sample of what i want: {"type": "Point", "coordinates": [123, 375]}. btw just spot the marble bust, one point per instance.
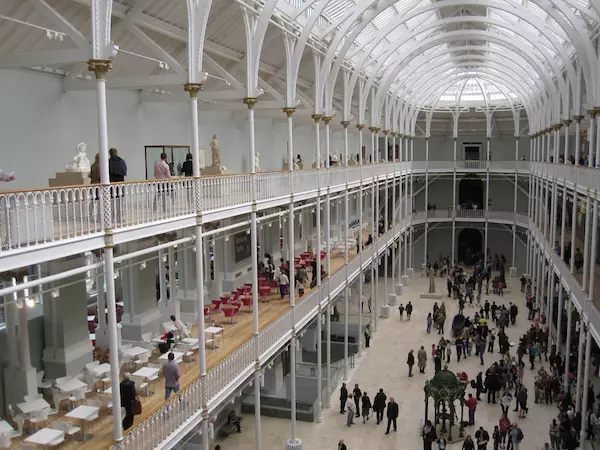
{"type": "Point", "coordinates": [80, 162]}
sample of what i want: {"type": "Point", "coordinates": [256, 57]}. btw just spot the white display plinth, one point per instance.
{"type": "Point", "coordinates": [399, 289]}
{"type": "Point", "coordinates": [385, 311]}
{"type": "Point", "coordinates": [293, 444]}
{"type": "Point", "coordinates": [405, 280]}
{"type": "Point", "coordinates": [512, 272]}
{"type": "Point", "coordinates": [432, 296]}
{"type": "Point", "coordinates": [392, 299]}
{"type": "Point", "coordinates": [410, 272]}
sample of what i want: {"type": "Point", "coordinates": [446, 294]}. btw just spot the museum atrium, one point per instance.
{"type": "Point", "coordinates": [167, 158]}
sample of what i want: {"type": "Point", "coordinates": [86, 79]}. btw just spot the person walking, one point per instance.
{"type": "Point", "coordinates": [422, 359]}
{"type": "Point", "coordinates": [409, 310]}
{"type": "Point", "coordinates": [459, 348]}
{"type": "Point", "coordinates": [496, 437]}
{"type": "Point", "coordinates": [172, 373]}
{"type": "Point", "coordinates": [392, 414]}
{"type": "Point", "coordinates": [480, 349]}
{"type": "Point", "coordinates": [429, 322]}
{"type": "Point", "coordinates": [356, 395]}
{"type": "Point", "coordinates": [516, 436]}
{"type": "Point", "coordinates": [341, 445]}
{"type": "Point", "coordinates": [128, 395]}
{"type": "Point", "coordinates": [472, 405]}
{"type": "Point", "coordinates": [468, 443]}
{"type": "Point", "coordinates": [343, 398]}
{"type": "Point", "coordinates": [554, 434]}
{"type": "Point", "coordinates": [351, 411]}
{"type": "Point", "coordinates": [401, 311]}
{"type": "Point", "coordinates": [284, 281]}
{"type": "Point", "coordinates": [522, 398]}
{"type": "Point", "coordinates": [366, 406]}
{"type": "Point", "coordinates": [379, 405]}
{"type": "Point", "coordinates": [367, 334]}
{"type": "Point", "coordinates": [429, 435]}
{"type": "Point", "coordinates": [411, 362]}
{"type": "Point", "coordinates": [117, 167]}
{"type": "Point", "coordinates": [482, 437]}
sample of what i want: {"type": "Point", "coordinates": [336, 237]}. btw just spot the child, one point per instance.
{"type": "Point", "coordinates": [441, 442]}
{"type": "Point", "coordinates": [300, 284]}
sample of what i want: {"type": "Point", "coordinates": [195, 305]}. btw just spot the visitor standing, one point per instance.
{"type": "Point", "coordinates": [117, 167]}
{"type": "Point", "coordinates": [366, 406]}
{"type": "Point", "coordinates": [341, 445]}
{"type": "Point", "coordinates": [356, 395]}
{"type": "Point", "coordinates": [429, 322]}
{"type": "Point", "coordinates": [128, 395]}
{"type": "Point", "coordinates": [472, 405]}
{"type": "Point", "coordinates": [409, 310]}
{"type": "Point", "coordinates": [379, 405]}
{"type": "Point", "coordinates": [351, 411]}
{"type": "Point", "coordinates": [411, 362]}
{"type": "Point", "coordinates": [367, 334]}
{"type": "Point", "coordinates": [422, 359]}
{"type": "Point", "coordinates": [482, 437]}
{"type": "Point", "coordinates": [172, 373]}
{"type": "Point", "coordinates": [343, 398]}
{"type": "Point", "coordinates": [392, 415]}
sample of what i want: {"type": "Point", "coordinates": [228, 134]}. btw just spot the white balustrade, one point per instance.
{"type": "Point", "coordinates": [270, 185]}
{"type": "Point", "coordinates": [305, 181]}
{"type": "Point", "coordinates": [470, 213]}
{"type": "Point", "coordinates": [273, 332]}
{"type": "Point", "coordinates": [471, 165]}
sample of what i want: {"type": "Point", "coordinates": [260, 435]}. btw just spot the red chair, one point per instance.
{"type": "Point", "coordinates": [207, 313]}
{"type": "Point", "coordinates": [247, 301]}
{"type": "Point", "coordinates": [231, 313]}
{"type": "Point", "coordinates": [264, 291]}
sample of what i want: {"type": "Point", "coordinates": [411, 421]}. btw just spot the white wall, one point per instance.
{"type": "Point", "coordinates": [41, 125]}
{"type": "Point", "coordinates": [442, 148]}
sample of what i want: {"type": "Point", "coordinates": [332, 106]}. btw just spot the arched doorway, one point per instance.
{"type": "Point", "coordinates": [470, 246]}
{"type": "Point", "coordinates": [470, 193]}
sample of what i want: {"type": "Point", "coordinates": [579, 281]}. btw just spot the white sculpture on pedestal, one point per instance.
{"type": "Point", "coordinates": [257, 162]}
{"type": "Point", "coordinates": [80, 162]}
{"type": "Point", "coordinates": [215, 151]}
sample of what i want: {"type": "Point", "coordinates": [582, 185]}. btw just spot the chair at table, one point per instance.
{"type": "Point", "coordinates": [140, 384]}
{"type": "Point", "coordinates": [57, 398]}
{"type": "Point", "coordinates": [77, 397]}
{"type": "Point", "coordinates": [4, 441]}
{"type": "Point", "coordinates": [96, 404]}
{"type": "Point", "coordinates": [41, 383]}
{"type": "Point", "coordinates": [67, 427]}
{"type": "Point", "coordinates": [142, 360]}
{"type": "Point", "coordinates": [39, 418]}
{"type": "Point", "coordinates": [20, 426]}
{"type": "Point", "coordinates": [207, 313]}
{"type": "Point", "coordinates": [247, 301]}
{"type": "Point", "coordinates": [231, 313]}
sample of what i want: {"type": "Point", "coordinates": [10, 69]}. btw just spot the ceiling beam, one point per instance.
{"type": "Point", "coordinates": [63, 24]}
{"type": "Point", "coordinates": [237, 94]}
{"type": "Point", "coordinates": [44, 58]}
{"type": "Point", "coordinates": [158, 51]}
{"type": "Point", "coordinates": [130, 82]}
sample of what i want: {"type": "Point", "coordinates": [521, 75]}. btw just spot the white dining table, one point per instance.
{"type": "Point", "coordinates": [5, 427]}
{"type": "Point", "coordinates": [101, 369]}
{"type": "Point", "coordinates": [146, 372]}
{"type": "Point", "coordinates": [83, 413]}
{"type": "Point", "coordinates": [45, 436]}
{"type": "Point", "coordinates": [135, 351]}
{"type": "Point", "coordinates": [71, 385]}
{"type": "Point", "coordinates": [214, 332]}
{"type": "Point", "coordinates": [34, 405]}
{"type": "Point", "coordinates": [190, 341]}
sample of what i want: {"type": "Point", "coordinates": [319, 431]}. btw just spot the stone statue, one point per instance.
{"type": "Point", "coordinates": [80, 162]}
{"type": "Point", "coordinates": [215, 151]}
{"type": "Point", "coordinates": [257, 162]}
{"type": "Point", "coordinates": [431, 282]}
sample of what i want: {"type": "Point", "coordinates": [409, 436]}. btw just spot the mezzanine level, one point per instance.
{"type": "Point", "coordinates": [52, 223]}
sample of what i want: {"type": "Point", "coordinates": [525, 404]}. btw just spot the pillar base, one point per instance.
{"type": "Point", "coordinates": [399, 289]}
{"type": "Point", "coordinates": [18, 384]}
{"type": "Point", "coordinates": [432, 295]}
{"type": "Point", "coordinates": [512, 272]}
{"type": "Point", "coordinates": [405, 279]}
{"type": "Point", "coordinates": [423, 269]}
{"type": "Point", "coordinates": [293, 444]}
{"type": "Point", "coordinates": [60, 362]}
{"type": "Point", "coordinates": [133, 327]}
{"type": "Point", "coordinates": [410, 272]}
{"type": "Point", "coordinates": [392, 300]}
{"type": "Point", "coordinates": [384, 311]}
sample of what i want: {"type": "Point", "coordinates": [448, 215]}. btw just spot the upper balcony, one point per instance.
{"type": "Point", "coordinates": [46, 224]}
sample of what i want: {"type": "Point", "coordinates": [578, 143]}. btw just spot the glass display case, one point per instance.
{"type": "Point", "coordinates": [176, 155]}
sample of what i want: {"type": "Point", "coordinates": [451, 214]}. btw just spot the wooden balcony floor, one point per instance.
{"type": "Point", "coordinates": [234, 336]}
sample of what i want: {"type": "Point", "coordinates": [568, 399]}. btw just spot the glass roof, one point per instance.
{"type": "Point", "coordinates": [495, 51]}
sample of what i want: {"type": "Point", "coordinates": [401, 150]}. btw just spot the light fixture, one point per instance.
{"type": "Point", "coordinates": [142, 265]}
{"type": "Point", "coordinates": [164, 258]}
{"type": "Point", "coordinates": [116, 274]}
{"type": "Point", "coordinates": [248, 231]}
{"type": "Point", "coordinates": [227, 238]}
{"type": "Point", "coordinates": [194, 249]}
{"type": "Point", "coordinates": [175, 246]}
{"type": "Point", "coordinates": [30, 302]}
{"type": "Point", "coordinates": [19, 304]}
{"type": "Point", "coordinates": [55, 293]}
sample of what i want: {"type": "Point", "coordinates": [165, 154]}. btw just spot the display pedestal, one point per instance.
{"type": "Point", "coordinates": [69, 179]}
{"type": "Point", "coordinates": [432, 296]}
{"type": "Point", "coordinates": [212, 170]}
{"type": "Point", "coordinates": [409, 272]}
{"type": "Point", "coordinates": [405, 280]}
{"type": "Point", "coordinates": [399, 289]}
{"type": "Point", "coordinates": [384, 311]}
{"type": "Point", "coordinates": [392, 299]}
{"type": "Point", "coordinates": [512, 272]}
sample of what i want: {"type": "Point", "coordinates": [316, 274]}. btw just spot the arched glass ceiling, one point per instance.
{"type": "Point", "coordinates": [505, 49]}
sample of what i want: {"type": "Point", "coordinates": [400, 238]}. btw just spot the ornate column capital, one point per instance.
{"type": "Point", "coordinates": [557, 126]}
{"type": "Point", "coordinates": [567, 122]}
{"type": "Point", "coordinates": [100, 67]}
{"type": "Point", "coordinates": [326, 120]}
{"type": "Point", "coordinates": [250, 102]}
{"type": "Point", "coordinates": [345, 123]}
{"type": "Point", "coordinates": [385, 132]}
{"type": "Point", "coordinates": [289, 111]}
{"type": "Point", "coordinates": [373, 129]}
{"type": "Point", "coordinates": [578, 118]}
{"type": "Point", "coordinates": [316, 117]}
{"type": "Point", "coordinates": [192, 88]}
{"type": "Point", "coordinates": [360, 126]}
{"type": "Point", "coordinates": [592, 112]}
{"type": "Point", "coordinates": [596, 110]}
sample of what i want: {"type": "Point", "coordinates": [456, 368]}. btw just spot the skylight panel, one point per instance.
{"type": "Point", "coordinates": [535, 9]}
{"type": "Point", "coordinates": [336, 8]}
{"type": "Point", "coordinates": [384, 17]}
{"type": "Point", "coordinates": [419, 20]}
{"type": "Point", "coordinates": [365, 35]}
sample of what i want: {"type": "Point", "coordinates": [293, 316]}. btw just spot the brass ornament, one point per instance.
{"type": "Point", "coordinates": [100, 67]}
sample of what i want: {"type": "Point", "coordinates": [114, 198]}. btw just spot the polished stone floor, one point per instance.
{"type": "Point", "coordinates": [384, 366]}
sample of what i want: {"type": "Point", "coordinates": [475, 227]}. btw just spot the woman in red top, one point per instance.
{"type": "Point", "coordinates": [504, 424]}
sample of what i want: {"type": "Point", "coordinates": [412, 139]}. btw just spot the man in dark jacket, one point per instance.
{"type": "Point", "coordinates": [117, 168]}
{"type": "Point", "coordinates": [411, 362]}
{"type": "Point", "coordinates": [409, 310]}
{"type": "Point", "coordinates": [513, 313]}
{"type": "Point", "coordinates": [128, 395]}
{"type": "Point", "coordinates": [392, 414]}
{"type": "Point", "coordinates": [356, 394]}
{"type": "Point", "coordinates": [483, 438]}
{"type": "Point", "coordinates": [379, 405]}
{"type": "Point", "coordinates": [343, 398]}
